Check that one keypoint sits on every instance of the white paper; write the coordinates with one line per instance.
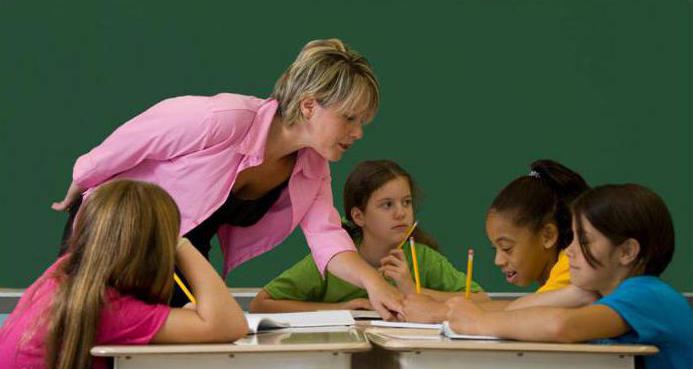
(259, 322)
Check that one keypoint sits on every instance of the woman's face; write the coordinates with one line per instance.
(388, 214)
(332, 133)
(520, 252)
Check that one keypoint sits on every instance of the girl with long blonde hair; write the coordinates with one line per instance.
(113, 286)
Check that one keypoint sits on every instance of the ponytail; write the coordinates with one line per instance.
(543, 196)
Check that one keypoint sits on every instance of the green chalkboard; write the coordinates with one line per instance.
(472, 92)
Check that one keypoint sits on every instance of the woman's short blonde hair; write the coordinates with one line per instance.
(331, 73)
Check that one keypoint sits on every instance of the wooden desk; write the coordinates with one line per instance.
(281, 349)
(428, 349)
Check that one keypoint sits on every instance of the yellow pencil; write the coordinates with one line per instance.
(416, 265)
(470, 266)
(409, 232)
(185, 289)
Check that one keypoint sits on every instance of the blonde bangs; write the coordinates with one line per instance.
(361, 99)
(334, 75)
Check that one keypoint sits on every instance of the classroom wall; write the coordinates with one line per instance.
(472, 92)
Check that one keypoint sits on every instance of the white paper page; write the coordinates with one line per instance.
(306, 319)
(258, 322)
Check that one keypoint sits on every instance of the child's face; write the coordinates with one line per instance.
(581, 273)
(521, 254)
(389, 213)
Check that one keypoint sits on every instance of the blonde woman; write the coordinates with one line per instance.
(251, 170)
(113, 286)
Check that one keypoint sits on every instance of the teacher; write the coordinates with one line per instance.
(250, 170)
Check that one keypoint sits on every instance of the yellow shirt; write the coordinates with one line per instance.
(559, 276)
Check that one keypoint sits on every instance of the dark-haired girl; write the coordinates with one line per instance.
(624, 241)
(529, 225)
(379, 198)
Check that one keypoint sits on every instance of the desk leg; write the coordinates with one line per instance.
(273, 360)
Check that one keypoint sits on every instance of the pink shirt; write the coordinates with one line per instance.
(195, 146)
(124, 320)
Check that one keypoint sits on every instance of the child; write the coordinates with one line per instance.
(113, 286)
(379, 201)
(625, 240)
(529, 225)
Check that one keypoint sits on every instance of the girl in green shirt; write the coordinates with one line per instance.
(379, 198)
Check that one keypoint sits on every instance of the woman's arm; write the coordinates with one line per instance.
(549, 324)
(333, 250)
(264, 303)
(384, 298)
(216, 317)
(72, 194)
(170, 129)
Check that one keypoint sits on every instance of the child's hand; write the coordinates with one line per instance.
(358, 304)
(183, 241)
(395, 267)
(423, 309)
(465, 316)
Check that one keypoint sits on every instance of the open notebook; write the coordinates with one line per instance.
(260, 322)
(444, 329)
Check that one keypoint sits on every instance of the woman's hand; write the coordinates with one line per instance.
(385, 299)
(73, 193)
(422, 308)
(358, 304)
(395, 266)
(465, 316)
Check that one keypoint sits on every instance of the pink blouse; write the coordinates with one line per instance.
(194, 147)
